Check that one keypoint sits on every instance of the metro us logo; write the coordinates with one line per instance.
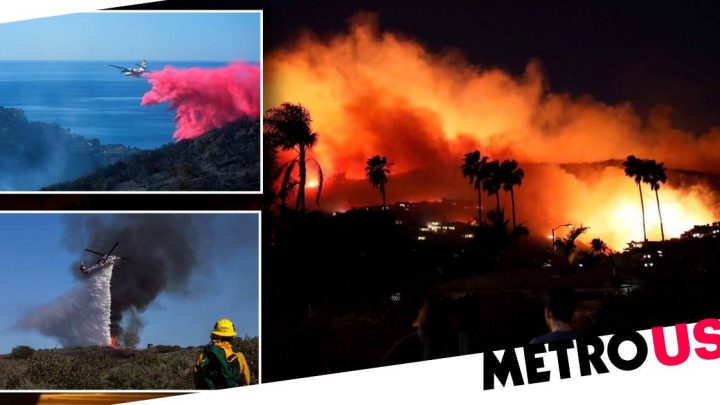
(589, 352)
(700, 334)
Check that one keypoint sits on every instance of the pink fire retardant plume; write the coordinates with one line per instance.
(206, 98)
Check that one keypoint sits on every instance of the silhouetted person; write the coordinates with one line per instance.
(437, 334)
(560, 304)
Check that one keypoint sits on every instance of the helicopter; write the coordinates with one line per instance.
(106, 259)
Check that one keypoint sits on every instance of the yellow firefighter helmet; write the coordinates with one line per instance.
(224, 327)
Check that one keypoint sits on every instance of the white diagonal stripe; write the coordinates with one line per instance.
(28, 9)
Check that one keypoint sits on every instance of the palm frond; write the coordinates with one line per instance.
(320, 180)
(280, 169)
(286, 180)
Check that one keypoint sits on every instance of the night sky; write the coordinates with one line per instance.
(649, 53)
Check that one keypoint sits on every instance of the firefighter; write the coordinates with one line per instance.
(218, 366)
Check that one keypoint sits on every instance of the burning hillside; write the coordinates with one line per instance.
(372, 92)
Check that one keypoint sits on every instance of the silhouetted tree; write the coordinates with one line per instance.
(599, 247)
(474, 169)
(493, 238)
(511, 175)
(636, 169)
(567, 244)
(655, 174)
(288, 128)
(377, 171)
(493, 182)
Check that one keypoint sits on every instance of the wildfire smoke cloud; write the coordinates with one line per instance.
(162, 256)
(373, 92)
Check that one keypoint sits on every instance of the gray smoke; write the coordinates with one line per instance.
(133, 323)
(161, 252)
(38, 154)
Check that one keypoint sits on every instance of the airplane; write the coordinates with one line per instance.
(133, 72)
(106, 259)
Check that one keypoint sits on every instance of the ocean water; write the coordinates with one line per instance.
(91, 99)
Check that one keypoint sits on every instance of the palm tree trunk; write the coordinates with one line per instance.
(512, 198)
(662, 231)
(642, 206)
(382, 191)
(300, 203)
(480, 207)
(497, 199)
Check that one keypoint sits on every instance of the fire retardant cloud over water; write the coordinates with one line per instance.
(372, 92)
(206, 98)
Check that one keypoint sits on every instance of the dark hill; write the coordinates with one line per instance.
(33, 154)
(224, 159)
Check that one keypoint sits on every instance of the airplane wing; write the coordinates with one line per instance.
(97, 253)
(119, 67)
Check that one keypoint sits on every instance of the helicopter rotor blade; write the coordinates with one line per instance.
(97, 253)
(113, 248)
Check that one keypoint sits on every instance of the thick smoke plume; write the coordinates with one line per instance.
(206, 98)
(79, 318)
(161, 257)
(372, 92)
(130, 337)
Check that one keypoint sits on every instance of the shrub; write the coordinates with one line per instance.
(22, 352)
(93, 368)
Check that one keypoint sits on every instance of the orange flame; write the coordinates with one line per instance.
(372, 92)
(113, 342)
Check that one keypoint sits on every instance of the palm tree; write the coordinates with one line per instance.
(599, 247)
(492, 181)
(654, 176)
(496, 236)
(567, 244)
(288, 128)
(636, 169)
(511, 175)
(377, 171)
(474, 169)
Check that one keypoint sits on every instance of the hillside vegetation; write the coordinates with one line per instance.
(105, 368)
(34, 154)
(224, 159)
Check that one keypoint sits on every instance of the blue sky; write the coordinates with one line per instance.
(36, 267)
(134, 36)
